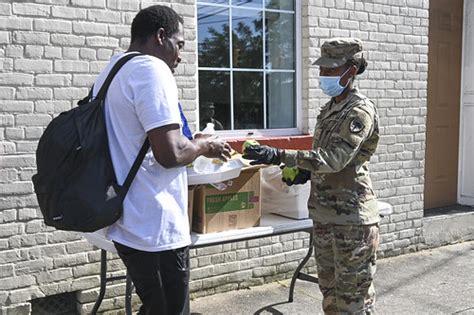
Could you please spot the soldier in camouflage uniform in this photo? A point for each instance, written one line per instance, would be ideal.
(342, 202)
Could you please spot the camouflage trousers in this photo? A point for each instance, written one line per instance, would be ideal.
(345, 258)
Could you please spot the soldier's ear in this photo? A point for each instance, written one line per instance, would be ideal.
(353, 71)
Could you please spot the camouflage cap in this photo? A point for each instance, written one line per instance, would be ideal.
(337, 51)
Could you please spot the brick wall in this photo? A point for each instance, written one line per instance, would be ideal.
(50, 53)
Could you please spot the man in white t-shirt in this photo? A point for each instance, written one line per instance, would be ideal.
(152, 236)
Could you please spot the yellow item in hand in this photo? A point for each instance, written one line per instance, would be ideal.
(289, 173)
(248, 143)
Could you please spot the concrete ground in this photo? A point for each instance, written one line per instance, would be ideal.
(436, 281)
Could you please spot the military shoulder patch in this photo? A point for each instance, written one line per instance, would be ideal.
(356, 125)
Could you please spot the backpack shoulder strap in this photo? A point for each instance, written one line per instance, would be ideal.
(136, 165)
(112, 73)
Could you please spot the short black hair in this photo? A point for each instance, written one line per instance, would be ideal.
(149, 20)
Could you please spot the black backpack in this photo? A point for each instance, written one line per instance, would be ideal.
(76, 186)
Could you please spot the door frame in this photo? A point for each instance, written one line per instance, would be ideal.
(464, 200)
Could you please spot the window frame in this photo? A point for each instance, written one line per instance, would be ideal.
(243, 133)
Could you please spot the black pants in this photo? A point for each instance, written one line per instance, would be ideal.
(161, 279)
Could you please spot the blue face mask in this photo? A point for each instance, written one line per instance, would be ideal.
(330, 85)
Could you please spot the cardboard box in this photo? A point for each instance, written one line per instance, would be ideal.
(236, 207)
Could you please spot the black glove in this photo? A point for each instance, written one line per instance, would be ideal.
(302, 176)
(263, 154)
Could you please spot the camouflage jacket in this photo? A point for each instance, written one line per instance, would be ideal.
(345, 137)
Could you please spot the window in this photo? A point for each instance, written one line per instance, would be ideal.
(247, 65)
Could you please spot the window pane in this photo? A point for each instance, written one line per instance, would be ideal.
(280, 4)
(215, 1)
(213, 36)
(279, 40)
(247, 37)
(214, 87)
(248, 100)
(248, 3)
(280, 100)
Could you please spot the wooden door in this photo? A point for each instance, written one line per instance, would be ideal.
(444, 86)
(466, 193)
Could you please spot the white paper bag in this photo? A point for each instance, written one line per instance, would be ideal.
(279, 198)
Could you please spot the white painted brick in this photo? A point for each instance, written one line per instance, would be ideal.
(6, 121)
(5, 9)
(61, 106)
(53, 52)
(53, 80)
(17, 282)
(53, 2)
(69, 13)
(124, 43)
(67, 40)
(26, 147)
(123, 5)
(31, 9)
(104, 16)
(378, 37)
(351, 25)
(404, 29)
(33, 51)
(339, 33)
(14, 106)
(30, 120)
(377, 18)
(14, 133)
(338, 14)
(53, 26)
(44, 107)
(71, 53)
(33, 93)
(119, 30)
(7, 93)
(97, 66)
(54, 275)
(89, 3)
(29, 65)
(15, 23)
(99, 41)
(88, 54)
(34, 38)
(5, 37)
(328, 23)
(70, 93)
(104, 54)
(88, 28)
(33, 132)
(6, 148)
(368, 26)
(16, 79)
(71, 66)
(84, 80)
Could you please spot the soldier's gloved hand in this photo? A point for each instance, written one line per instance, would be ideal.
(295, 175)
(263, 154)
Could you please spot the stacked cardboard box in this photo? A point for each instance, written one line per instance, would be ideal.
(235, 207)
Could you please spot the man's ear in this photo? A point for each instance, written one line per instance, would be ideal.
(160, 35)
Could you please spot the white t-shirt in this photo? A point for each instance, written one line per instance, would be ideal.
(143, 96)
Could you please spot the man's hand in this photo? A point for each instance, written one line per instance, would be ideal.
(263, 154)
(216, 148)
